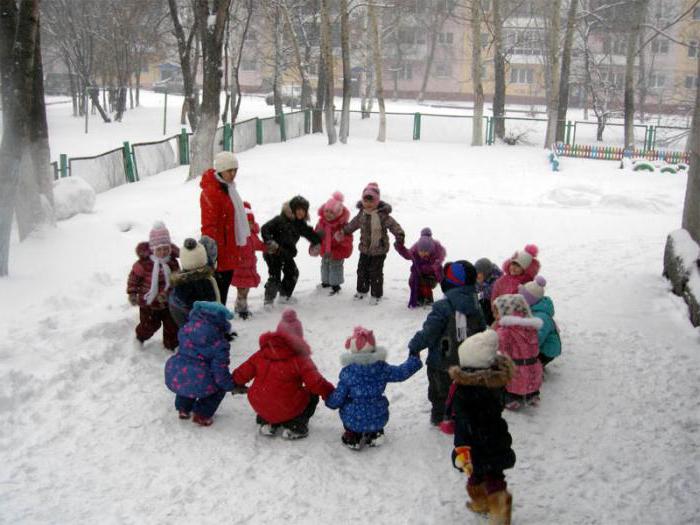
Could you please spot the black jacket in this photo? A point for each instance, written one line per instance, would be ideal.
(285, 230)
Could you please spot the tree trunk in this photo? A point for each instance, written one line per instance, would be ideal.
(478, 115)
(639, 14)
(326, 43)
(317, 122)
(347, 71)
(553, 58)
(436, 26)
(565, 71)
(277, 75)
(184, 48)
(301, 63)
(499, 65)
(691, 208)
(211, 26)
(377, 56)
(600, 127)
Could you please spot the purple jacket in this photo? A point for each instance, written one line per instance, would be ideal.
(430, 268)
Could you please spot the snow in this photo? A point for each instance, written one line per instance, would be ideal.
(88, 430)
(72, 195)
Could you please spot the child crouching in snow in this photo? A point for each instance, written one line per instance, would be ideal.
(517, 333)
(246, 274)
(286, 384)
(332, 217)
(543, 308)
(198, 374)
(427, 255)
(364, 409)
(148, 286)
(482, 441)
(519, 269)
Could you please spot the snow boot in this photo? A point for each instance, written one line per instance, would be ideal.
(500, 506)
(374, 301)
(353, 440)
(295, 431)
(359, 296)
(268, 430)
(375, 439)
(182, 414)
(335, 290)
(202, 421)
(478, 498)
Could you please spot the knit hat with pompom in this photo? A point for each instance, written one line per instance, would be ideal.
(523, 258)
(192, 255)
(335, 203)
(361, 340)
(290, 324)
(534, 290)
(159, 236)
(426, 242)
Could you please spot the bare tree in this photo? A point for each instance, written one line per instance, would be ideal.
(639, 14)
(347, 74)
(244, 23)
(691, 208)
(477, 86)
(564, 79)
(327, 52)
(378, 65)
(186, 46)
(30, 195)
(554, 10)
(432, 25)
(499, 66)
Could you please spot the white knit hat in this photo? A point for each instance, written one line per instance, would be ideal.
(479, 350)
(193, 255)
(523, 258)
(224, 161)
(534, 290)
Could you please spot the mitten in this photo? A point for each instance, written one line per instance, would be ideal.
(133, 299)
(315, 250)
(462, 459)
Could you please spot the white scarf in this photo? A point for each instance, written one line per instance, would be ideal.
(240, 221)
(375, 229)
(157, 264)
(461, 326)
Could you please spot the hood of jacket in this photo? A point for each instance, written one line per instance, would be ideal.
(383, 208)
(363, 358)
(278, 346)
(189, 276)
(544, 305)
(497, 376)
(143, 251)
(288, 214)
(209, 181)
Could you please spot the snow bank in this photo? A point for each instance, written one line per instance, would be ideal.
(72, 195)
(681, 258)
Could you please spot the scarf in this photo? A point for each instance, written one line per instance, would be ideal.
(460, 326)
(240, 220)
(157, 264)
(375, 229)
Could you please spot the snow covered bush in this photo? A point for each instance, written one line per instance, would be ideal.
(681, 260)
(72, 195)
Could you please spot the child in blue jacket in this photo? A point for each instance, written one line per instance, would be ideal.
(199, 373)
(359, 395)
(543, 308)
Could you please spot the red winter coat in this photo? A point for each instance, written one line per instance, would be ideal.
(139, 282)
(508, 284)
(284, 377)
(246, 274)
(217, 220)
(338, 249)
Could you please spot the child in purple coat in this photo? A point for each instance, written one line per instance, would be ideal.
(427, 256)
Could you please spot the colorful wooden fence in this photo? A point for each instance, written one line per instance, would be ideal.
(586, 151)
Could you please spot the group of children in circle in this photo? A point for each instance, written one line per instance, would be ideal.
(488, 339)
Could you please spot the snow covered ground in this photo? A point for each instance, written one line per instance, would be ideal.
(88, 432)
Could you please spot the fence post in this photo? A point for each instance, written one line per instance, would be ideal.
(573, 138)
(63, 164)
(184, 144)
(653, 137)
(128, 162)
(307, 121)
(227, 137)
(416, 126)
(258, 131)
(568, 132)
(283, 128)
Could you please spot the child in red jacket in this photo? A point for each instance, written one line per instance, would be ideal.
(148, 285)
(246, 274)
(332, 217)
(286, 384)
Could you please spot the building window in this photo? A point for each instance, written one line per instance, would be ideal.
(693, 49)
(249, 65)
(696, 13)
(407, 36)
(656, 80)
(522, 75)
(484, 40)
(443, 69)
(617, 46)
(691, 82)
(659, 46)
(445, 38)
(484, 72)
(405, 71)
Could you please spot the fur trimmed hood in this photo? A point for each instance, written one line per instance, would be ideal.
(289, 214)
(498, 376)
(514, 320)
(184, 277)
(143, 251)
(363, 358)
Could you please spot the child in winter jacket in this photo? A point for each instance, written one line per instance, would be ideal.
(195, 282)
(521, 268)
(427, 256)
(487, 274)
(286, 384)
(198, 374)
(359, 395)
(148, 285)
(451, 320)
(281, 235)
(245, 276)
(543, 308)
(517, 333)
(332, 217)
(373, 220)
(482, 442)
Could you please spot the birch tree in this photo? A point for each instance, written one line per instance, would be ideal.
(691, 208)
(477, 86)
(639, 8)
(554, 10)
(347, 70)
(327, 52)
(378, 65)
(565, 72)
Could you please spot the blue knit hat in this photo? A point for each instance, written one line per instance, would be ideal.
(456, 274)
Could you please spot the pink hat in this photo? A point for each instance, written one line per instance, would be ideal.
(290, 324)
(361, 340)
(372, 189)
(335, 203)
(159, 236)
(523, 258)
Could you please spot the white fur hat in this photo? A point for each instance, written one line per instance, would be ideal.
(224, 161)
(193, 255)
(479, 350)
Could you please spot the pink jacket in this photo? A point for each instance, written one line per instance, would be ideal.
(507, 284)
(246, 274)
(517, 338)
(338, 249)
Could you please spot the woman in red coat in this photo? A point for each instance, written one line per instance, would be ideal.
(286, 384)
(224, 217)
